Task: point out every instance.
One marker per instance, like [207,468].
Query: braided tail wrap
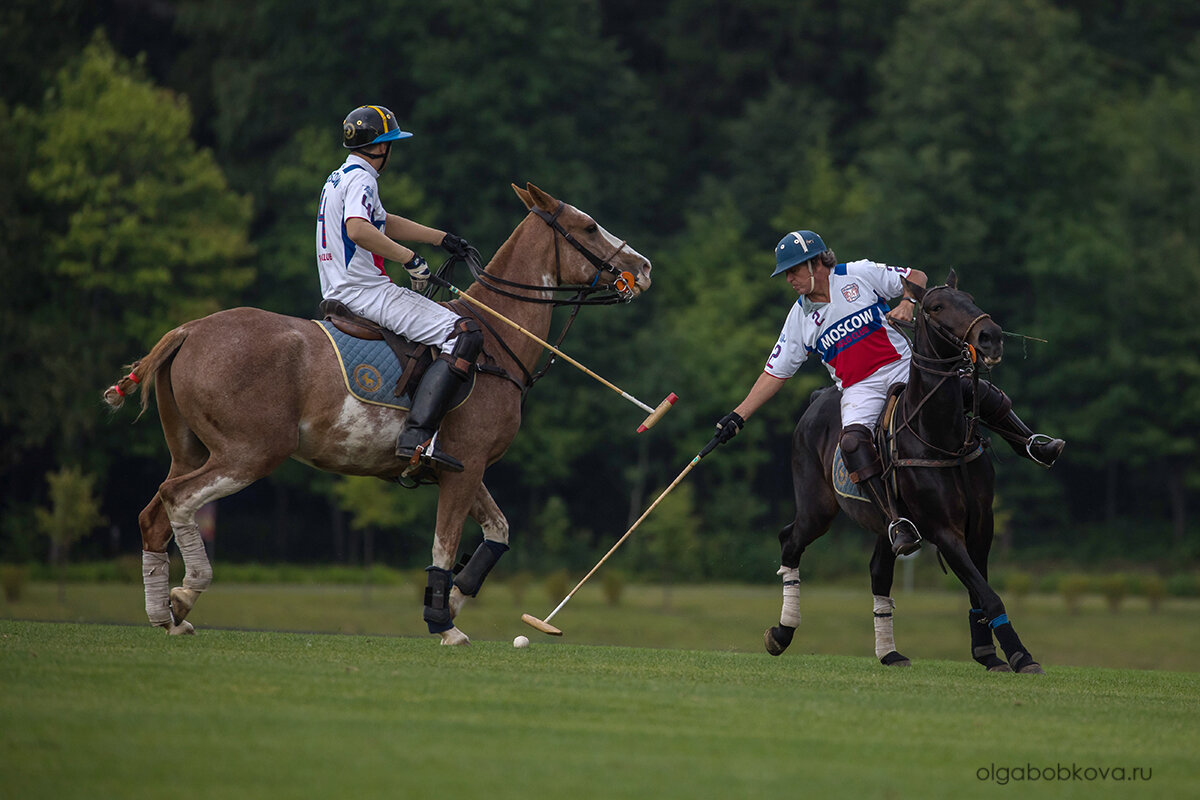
[144,371]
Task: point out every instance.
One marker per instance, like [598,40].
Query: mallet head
[658,413]
[544,627]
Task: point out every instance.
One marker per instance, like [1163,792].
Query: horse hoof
[1032,668]
[1001,667]
[184,628]
[182,601]
[777,640]
[454,637]
[894,659]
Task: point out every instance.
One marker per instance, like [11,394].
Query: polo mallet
[544,625]
[655,413]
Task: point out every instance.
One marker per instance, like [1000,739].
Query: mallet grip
[658,413]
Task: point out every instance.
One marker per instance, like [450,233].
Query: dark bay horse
[242,390]
[943,483]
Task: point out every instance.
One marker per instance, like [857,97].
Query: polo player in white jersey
[355,236]
[843,317]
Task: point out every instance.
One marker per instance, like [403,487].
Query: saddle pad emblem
[367,378]
[841,479]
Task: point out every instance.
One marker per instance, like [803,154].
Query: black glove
[728,426]
[455,246]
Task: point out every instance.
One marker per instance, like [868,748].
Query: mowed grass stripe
[108,711]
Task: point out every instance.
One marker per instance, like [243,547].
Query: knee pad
[477,568]
[855,436]
[467,339]
[437,600]
[858,451]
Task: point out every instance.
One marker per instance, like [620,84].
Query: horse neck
[941,420]
[526,257]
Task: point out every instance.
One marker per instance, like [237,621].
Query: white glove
[418,273]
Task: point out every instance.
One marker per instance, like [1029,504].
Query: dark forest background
[162,160]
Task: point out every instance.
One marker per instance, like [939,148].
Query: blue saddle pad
[370,370]
[841,479]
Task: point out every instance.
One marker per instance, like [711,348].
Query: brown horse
[242,390]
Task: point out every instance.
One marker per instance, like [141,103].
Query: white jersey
[850,333]
[345,268]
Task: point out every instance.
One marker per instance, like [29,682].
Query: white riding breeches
[413,316]
[862,402]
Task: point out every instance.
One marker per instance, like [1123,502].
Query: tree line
[162,161]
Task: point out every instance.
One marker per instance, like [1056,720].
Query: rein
[961,365]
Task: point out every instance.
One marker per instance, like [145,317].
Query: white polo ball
[521,641]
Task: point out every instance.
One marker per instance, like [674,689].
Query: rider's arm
[368,237]
[906,309]
[408,231]
[766,387]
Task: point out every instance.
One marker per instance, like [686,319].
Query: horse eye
[591,228]
[936,308]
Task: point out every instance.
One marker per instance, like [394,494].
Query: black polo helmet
[367,125]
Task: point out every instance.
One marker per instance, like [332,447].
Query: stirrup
[426,457]
[1035,440]
[905,549]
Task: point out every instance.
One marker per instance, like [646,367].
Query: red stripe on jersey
[864,357]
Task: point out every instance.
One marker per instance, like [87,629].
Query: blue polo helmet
[796,248]
[367,125]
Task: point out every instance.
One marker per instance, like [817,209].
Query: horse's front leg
[495,543]
[983,647]
[954,550]
[455,499]
[883,570]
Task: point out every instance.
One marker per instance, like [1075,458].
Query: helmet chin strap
[812,278]
[387,152]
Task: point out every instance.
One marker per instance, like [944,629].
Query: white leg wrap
[156,577]
[884,643]
[198,575]
[790,615]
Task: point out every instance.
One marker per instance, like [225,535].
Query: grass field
[929,624]
[106,711]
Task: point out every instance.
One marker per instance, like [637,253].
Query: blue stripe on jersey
[348,245]
[351,168]
[850,330]
[839,269]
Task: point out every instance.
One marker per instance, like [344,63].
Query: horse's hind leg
[495,543]
[883,570]
[983,648]
[156,579]
[812,521]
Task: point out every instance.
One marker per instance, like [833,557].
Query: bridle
[964,364]
[621,290]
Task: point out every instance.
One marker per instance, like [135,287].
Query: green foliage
[1072,588]
[13,578]
[74,509]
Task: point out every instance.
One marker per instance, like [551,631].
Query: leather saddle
[414,358]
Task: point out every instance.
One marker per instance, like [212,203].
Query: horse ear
[541,199]
[524,195]
[952,280]
[917,291]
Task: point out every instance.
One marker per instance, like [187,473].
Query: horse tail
[144,371]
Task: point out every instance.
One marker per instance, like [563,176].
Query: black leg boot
[995,411]
[862,461]
[429,404]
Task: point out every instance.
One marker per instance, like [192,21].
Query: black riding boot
[865,468]
[429,404]
[995,411]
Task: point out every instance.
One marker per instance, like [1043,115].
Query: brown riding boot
[866,470]
[995,411]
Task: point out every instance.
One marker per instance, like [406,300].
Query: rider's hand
[728,426]
[455,245]
[418,273]
[904,312]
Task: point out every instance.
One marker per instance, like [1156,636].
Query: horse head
[950,319]
[594,258]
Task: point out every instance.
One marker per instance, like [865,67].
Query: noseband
[620,291]
[967,358]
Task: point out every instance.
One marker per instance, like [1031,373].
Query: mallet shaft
[479,304]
